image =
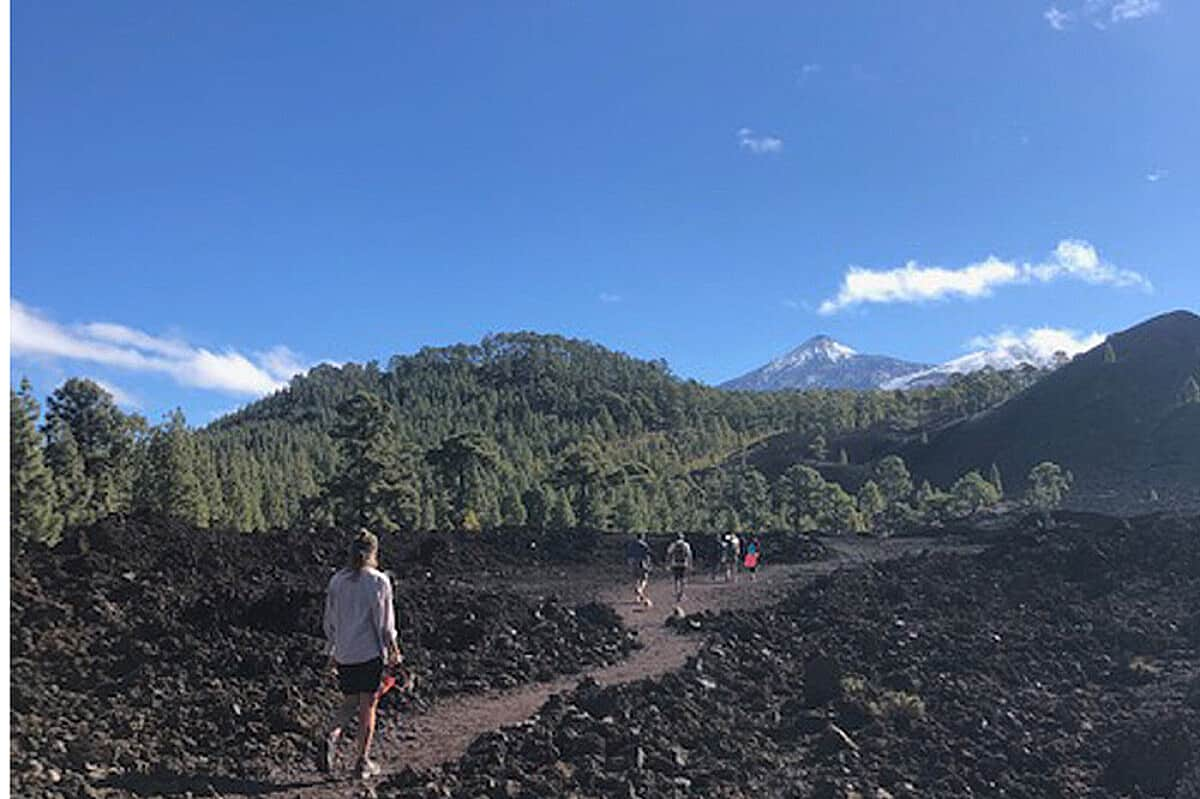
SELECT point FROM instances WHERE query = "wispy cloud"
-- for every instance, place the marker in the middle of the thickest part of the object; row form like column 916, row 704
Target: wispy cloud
column 1100, row 13
column 1044, row 342
column 1058, row 19
column 1156, row 175
column 1072, row 258
column 609, row 298
column 758, row 145
column 120, row 396
column 1134, row 9
column 36, row 336
column 807, row 71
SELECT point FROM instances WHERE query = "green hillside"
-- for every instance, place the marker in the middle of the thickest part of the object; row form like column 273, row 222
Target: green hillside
column 521, row 429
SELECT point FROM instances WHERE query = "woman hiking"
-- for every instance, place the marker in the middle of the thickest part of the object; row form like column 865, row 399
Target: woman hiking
column 360, row 633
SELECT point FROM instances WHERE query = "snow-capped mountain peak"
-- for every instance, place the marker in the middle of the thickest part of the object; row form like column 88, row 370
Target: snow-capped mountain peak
column 817, row 348
column 1042, row 349
column 823, row 362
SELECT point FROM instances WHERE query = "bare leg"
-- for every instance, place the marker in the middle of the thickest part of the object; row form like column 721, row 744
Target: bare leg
column 342, row 716
column 641, row 592
column 366, row 724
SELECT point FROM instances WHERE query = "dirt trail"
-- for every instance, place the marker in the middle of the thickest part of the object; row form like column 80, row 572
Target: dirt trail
column 446, row 729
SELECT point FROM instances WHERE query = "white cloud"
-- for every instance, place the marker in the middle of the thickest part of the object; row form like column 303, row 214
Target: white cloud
column 1059, row 20
column 1072, row 258
column 758, row 144
column 120, row 396
column 1079, row 259
column 33, row 335
column 1101, row 13
column 609, row 298
column 1042, row 342
column 1134, row 9
column 280, row 362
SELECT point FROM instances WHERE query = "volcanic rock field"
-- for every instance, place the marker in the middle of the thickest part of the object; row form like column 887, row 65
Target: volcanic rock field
column 153, row 659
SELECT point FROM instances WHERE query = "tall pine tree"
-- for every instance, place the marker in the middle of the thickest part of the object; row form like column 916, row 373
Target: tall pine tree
column 170, row 485
column 34, row 516
column 373, row 486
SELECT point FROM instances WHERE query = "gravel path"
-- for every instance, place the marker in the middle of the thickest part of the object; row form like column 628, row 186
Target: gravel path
column 444, row 730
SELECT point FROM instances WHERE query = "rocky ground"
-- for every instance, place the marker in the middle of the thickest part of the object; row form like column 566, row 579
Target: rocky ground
column 1061, row 663
column 152, row 648
column 148, row 653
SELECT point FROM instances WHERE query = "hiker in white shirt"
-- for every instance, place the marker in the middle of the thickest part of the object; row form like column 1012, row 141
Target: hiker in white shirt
column 360, row 634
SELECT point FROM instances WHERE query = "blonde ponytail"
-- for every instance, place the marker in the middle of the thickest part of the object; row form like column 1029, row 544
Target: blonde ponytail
column 364, row 550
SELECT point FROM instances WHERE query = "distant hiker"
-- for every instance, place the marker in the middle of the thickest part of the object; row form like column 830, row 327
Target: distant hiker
column 637, row 556
column 679, row 555
column 715, row 561
column 360, row 632
column 753, row 555
column 727, row 552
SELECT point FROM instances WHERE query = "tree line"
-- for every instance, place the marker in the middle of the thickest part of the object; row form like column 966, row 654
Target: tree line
column 521, row 429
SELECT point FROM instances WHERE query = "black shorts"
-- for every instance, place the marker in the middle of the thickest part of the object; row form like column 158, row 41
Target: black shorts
column 679, row 571
column 360, row 678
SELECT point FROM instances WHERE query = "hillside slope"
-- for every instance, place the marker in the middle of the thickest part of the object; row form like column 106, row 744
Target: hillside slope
column 1121, row 425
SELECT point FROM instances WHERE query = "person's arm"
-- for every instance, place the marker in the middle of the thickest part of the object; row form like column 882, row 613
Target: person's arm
column 385, row 622
column 330, row 625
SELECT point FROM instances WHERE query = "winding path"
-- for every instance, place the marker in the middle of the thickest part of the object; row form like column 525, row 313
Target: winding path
column 445, row 730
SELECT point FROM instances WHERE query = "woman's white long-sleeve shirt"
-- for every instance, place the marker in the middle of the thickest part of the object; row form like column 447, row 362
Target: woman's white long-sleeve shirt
column 360, row 620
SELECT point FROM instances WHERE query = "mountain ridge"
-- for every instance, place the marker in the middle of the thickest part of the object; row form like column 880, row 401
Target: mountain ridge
column 823, row 362
column 1117, row 416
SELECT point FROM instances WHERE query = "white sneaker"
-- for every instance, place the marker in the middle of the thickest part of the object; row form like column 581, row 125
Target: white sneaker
column 328, row 753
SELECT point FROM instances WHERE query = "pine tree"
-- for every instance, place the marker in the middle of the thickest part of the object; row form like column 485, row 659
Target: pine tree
column 801, row 491
column 837, row 510
column 429, row 521
column 71, row 483
column 893, row 478
column 630, row 514
column 585, row 467
column 1191, row 391
column 373, row 487
column 170, row 484
column 1048, row 484
column 461, row 459
column 537, row 506
column 512, row 509
column 107, row 440
column 971, row 493
column 871, row 502
column 34, row 515
column 562, row 515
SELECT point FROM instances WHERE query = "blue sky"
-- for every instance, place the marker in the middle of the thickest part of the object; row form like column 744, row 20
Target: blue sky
column 207, row 196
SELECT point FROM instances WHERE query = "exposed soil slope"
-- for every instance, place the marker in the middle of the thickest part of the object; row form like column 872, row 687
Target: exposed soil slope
column 1120, row 425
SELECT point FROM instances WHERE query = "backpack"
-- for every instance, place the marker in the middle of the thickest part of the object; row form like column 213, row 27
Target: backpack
column 679, row 553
